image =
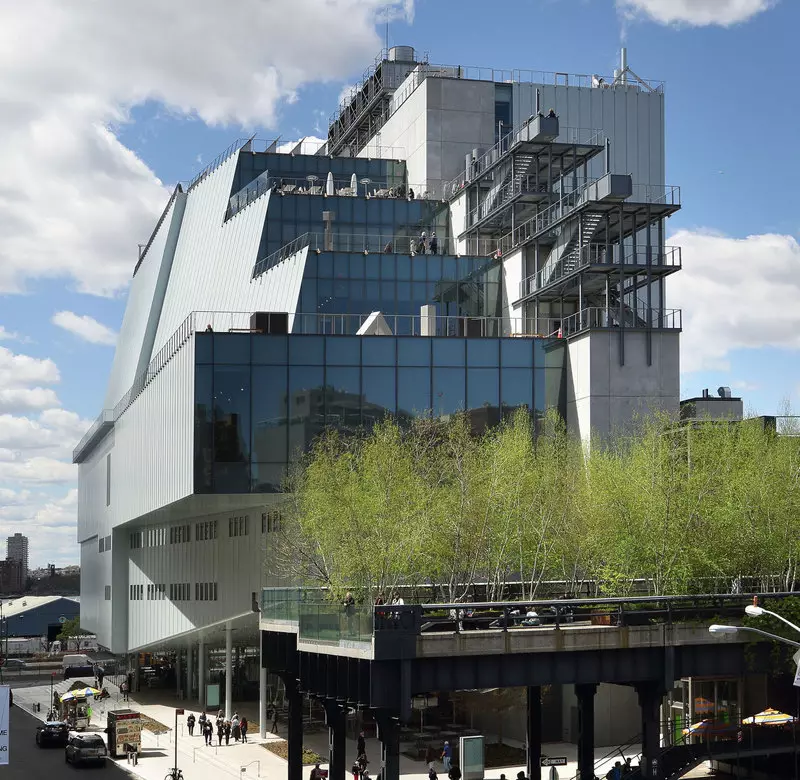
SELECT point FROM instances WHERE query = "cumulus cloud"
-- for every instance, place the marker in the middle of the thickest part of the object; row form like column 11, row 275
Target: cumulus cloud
column 85, row 327
column 310, row 145
column 22, row 370
column 74, row 202
column 7, row 335
column 736, row 293
column 17, row 399
column 697, row 13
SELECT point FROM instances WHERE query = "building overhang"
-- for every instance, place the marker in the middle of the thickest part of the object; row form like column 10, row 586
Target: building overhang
column 99, row 430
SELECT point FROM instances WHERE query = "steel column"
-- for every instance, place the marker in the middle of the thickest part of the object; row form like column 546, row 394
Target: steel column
column 295, row 728
column 389, row 736
column 228, row 670
column 201, row 674
column 534, row 732
column 649, row 289
column 621, row 303
column 585, row 694
column 650, row 696
column 337, row 739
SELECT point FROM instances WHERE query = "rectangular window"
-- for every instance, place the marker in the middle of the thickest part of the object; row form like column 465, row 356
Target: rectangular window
column 108, row 479
column 108, row 542
column 197, row 591
column 108, row 593
column 100, row 543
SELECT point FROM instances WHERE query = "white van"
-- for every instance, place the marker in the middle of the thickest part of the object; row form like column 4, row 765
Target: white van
column 77, row 659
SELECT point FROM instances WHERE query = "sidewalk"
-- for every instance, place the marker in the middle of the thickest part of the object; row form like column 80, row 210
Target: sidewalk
column 201, row 762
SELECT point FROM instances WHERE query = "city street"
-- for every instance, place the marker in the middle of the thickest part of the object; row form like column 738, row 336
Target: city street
column 27, row 761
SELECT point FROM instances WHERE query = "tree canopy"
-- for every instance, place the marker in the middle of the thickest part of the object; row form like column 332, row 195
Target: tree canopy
column 676, row 506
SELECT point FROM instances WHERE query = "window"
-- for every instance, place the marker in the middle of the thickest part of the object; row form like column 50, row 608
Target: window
column 137, row 540
column 270, row 521
column 108, row 479
column 179, row 591
column 156, row 592
column 101, row 544
column 136, row 592
column 205, row 530
column 239, row 526
column 108, row 593
column 205, row 591
column 108, row 543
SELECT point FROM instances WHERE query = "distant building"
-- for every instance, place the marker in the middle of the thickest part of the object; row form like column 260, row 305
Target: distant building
column 722, row 406
column 12, row 580
column 37, row 616
column 17, row 550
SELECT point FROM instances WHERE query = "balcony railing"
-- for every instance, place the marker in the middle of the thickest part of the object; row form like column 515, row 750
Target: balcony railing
column 612, row 318
column 598, row 254
column 376, row 243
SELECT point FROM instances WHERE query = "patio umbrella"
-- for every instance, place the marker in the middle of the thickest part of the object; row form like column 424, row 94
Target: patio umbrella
column 697, row 728
column 769, row 717
column 80, row 693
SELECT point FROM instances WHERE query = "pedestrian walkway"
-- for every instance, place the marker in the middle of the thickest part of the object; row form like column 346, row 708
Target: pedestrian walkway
column 251, row 760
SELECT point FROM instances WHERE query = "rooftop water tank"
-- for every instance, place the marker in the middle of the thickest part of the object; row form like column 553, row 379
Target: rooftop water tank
column 401, row 54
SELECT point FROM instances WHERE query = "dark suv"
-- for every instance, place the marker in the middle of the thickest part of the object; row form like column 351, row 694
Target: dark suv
column 52, row 732
column 83, row 748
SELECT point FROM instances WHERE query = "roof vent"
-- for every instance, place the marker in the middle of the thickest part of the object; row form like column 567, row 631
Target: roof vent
column 724, row 392
column 401, row 54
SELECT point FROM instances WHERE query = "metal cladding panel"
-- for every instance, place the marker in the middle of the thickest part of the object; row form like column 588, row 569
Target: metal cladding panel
column 137, row 313
column 94, row 516
column 152, row 459
column 633, row 120
column 95, row 575
column 214, row 259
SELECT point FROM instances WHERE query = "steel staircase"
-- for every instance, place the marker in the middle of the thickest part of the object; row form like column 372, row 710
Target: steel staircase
column 569, row 258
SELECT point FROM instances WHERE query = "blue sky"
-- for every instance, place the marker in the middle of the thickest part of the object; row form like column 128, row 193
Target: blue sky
column 104, row 122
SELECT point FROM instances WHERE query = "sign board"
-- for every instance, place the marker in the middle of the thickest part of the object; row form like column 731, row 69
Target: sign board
column 472, row 758
column 212, row 695
column 796, row 657
column 4, row 723
column 797, row 676
column 553, row 761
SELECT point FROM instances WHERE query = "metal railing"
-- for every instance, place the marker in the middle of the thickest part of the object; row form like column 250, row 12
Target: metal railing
column 105, row 417
column 571, row 135
column 598, row 254
column 216, row 162
column 668, row 194
column 613, row 317
column 378, row 243
column 387, row 187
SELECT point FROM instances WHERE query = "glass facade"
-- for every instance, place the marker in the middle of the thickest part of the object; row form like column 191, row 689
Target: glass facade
column 260, row 400
column 355, row 283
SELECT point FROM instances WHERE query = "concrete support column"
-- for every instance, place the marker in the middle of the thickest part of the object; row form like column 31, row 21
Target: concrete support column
column 650, row 695
column 189, row 673
column 585, row 694
column 262, row 690
column 337, row 742
column 295, row 728
column 228, row 670
column 389, row 736
column 534, row 732
column 178, row 674
column 201, row 674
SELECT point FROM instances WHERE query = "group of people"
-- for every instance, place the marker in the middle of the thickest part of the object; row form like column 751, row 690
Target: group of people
column 423, row 245
column 446, row 757
column 620, row 770
column 236, row 727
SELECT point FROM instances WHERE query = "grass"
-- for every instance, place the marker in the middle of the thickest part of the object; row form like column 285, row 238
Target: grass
column 280, row 747
column 498, row 755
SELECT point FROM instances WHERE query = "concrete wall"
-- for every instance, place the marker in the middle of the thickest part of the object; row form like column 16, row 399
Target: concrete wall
column 617, row 717
column 604, row 396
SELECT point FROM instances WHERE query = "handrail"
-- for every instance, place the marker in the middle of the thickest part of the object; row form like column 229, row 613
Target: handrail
column 574, row 135
column 601, row 318
column 597, row 254
column 178, row 189
column 216, row 162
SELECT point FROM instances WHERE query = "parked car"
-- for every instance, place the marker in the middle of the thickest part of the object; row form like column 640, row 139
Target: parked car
column 14, row 663
column 84, row 748
column 52, row 732
column 73, row 672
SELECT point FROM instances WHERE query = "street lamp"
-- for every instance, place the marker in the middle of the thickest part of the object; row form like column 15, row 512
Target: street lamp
column 753, row 610
column 718, row 629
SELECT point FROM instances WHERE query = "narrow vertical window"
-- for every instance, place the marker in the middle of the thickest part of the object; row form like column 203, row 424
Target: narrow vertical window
column 108, row 479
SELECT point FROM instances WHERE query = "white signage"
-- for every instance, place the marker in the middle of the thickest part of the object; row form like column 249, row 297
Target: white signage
column 797, row 676
column 4, row 724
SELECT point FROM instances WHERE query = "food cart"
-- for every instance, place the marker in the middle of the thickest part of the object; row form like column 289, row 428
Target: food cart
column 124, row 732
column 75, row 711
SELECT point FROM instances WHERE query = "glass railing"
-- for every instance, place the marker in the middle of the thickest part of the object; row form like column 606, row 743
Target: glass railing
column 335, row 623
column 282, row 604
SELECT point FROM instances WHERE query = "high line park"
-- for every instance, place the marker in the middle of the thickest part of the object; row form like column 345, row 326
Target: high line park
column 380, row 658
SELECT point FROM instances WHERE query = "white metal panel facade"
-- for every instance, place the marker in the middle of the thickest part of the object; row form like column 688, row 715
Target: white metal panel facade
column 94, row 515
column 137, row 313
column 214, row 260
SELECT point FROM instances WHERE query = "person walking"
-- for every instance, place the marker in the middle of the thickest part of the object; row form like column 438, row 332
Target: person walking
column 227, row 732
column 208, row 732
column 190, row 724
column 423, row 243
column 243, row 724
column 220, row 732
column 274, row 727
column 446, row 756
column 101, row 673
column 235, row 726
column 434, row 244
column 361, row 744
column 124, row 690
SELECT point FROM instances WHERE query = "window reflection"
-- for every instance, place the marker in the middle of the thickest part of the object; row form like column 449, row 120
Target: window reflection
column 379, row 394
column 231, row 414
column 306, row 407
column 413, row 392
column 448, row 391
column 343, row 397
column 270, row 432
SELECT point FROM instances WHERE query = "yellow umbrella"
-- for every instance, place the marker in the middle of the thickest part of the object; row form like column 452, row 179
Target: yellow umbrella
column 769, row 717
column 80, row 693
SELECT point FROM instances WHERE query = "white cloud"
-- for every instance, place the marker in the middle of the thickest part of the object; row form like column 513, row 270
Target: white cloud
column 74, row 202
column 697, row 13
column 18, row 399
column 23, row 370
column 311, row 145
column 736, row 293
column 38, row 470
column 85, row 327
column 7, row 335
